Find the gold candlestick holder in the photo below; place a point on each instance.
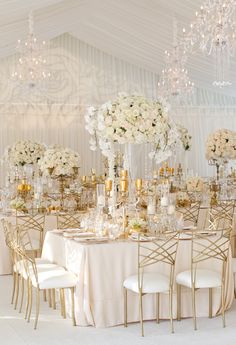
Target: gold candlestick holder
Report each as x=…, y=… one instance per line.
x=214, y=188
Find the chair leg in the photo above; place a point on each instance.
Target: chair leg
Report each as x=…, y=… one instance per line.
x=194, y=309
x=210, y=303
x=30, y=301
x=158, y=307
x=234, y=287
x=14, y=287
x=54, y=299
x=50, y=298
x=17, y=290
x=171, y=309
x=72, y=291
x=37, y=307
x=223, y=304
x=22, y=293
x=62, y=301
x=125, y=307
x=28, y=298
x=178, y=302
x=141, y=312
x=45, y=295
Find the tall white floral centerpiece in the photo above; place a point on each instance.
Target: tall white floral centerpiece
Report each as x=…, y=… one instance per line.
x=221, y=147
x=132, y=119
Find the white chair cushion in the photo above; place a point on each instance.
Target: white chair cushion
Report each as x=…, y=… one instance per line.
x=42, y=265
x=152, y=283
x=204, y=279
x=54, y=279
x=19, y=265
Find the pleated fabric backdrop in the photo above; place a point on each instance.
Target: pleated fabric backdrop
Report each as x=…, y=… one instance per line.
x=87, y=76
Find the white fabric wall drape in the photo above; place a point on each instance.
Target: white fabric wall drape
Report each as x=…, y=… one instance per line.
x=87, y=76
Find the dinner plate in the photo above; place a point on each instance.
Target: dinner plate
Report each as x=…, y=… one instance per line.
x=142, y=238
x=90, y=240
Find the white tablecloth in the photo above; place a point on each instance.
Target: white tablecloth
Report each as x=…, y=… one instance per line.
x=101, y=270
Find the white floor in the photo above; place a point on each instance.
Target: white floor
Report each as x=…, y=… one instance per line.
x=53, y=330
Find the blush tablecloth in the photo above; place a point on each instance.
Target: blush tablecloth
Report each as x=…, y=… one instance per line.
x=101, y=270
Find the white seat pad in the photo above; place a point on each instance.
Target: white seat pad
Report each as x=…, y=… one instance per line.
x=54, y=279
x=204, y=278
x=152, y=283
x=42, y=265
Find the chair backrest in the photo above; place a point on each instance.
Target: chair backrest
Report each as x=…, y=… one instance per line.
x=9, y=230
x=34, y=225
x=190, y=213
x=221, y=215
x=69, y=220
x=26, y=261
x=160, y=250
x=213, y=247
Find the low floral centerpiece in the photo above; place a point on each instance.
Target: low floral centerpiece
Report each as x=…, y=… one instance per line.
x=195, y=184
x=24, y=152
x=59, y=161
x=137, y=225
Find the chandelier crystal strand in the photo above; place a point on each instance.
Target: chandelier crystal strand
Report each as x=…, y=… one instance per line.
x=214, y=32
x=31, y=68
x=174, y=81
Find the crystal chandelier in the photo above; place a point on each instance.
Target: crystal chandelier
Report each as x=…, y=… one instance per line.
x=31, y=67
x=214, y=30
x=174, y=80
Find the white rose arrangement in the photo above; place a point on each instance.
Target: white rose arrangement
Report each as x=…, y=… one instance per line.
x=184, y=137
x=24, y=152
x=60, y=161
x=221, y=146
x=132, y=119
x=195, y=184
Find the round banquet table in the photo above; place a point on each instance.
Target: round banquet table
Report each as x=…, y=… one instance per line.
x=102, y=268
x=50, y=224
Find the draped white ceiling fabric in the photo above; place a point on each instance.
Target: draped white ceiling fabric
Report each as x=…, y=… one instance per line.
x=137, y=31
x=88, y=76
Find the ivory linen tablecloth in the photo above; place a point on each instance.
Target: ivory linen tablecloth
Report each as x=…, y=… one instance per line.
x=101, y=270
x=5, y=260
x=50, y=224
